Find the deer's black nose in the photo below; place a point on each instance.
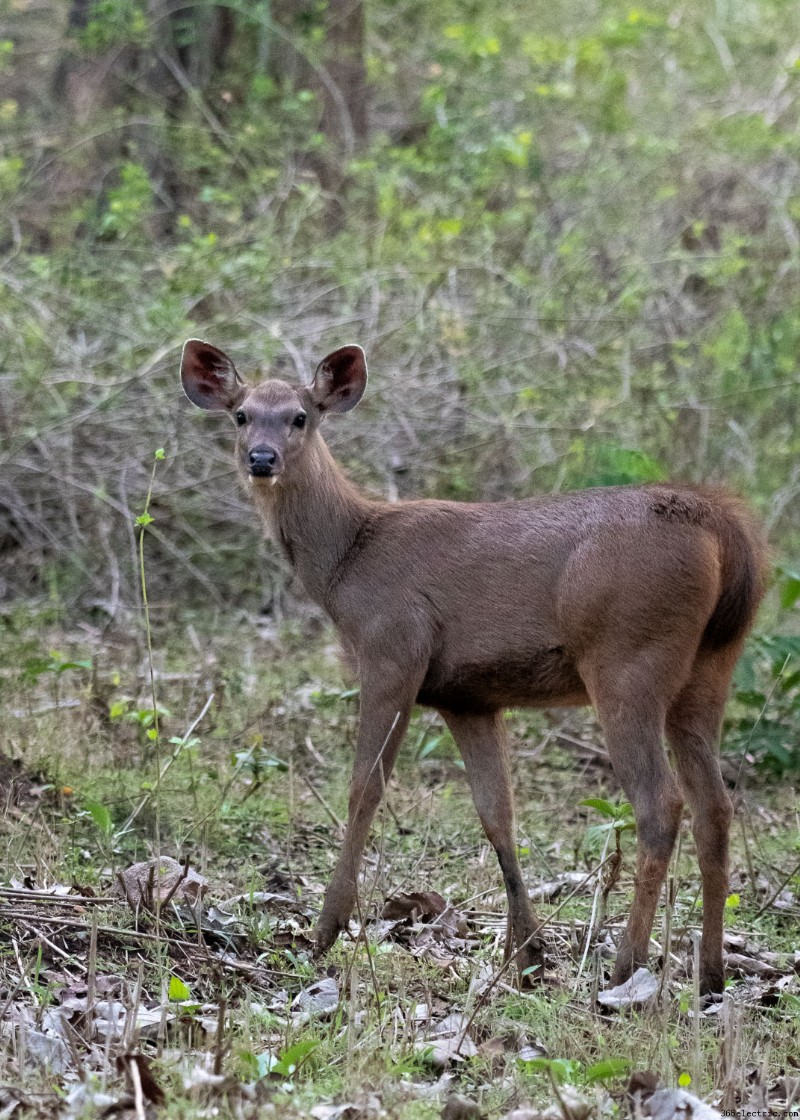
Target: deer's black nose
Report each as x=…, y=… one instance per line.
x=262, y=461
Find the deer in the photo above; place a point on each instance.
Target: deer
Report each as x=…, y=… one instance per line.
x=634, y=599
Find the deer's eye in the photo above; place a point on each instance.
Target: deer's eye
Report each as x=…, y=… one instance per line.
x=241, y=418
x=300, y=420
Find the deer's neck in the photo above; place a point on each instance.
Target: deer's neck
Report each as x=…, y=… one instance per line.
x=315, y=515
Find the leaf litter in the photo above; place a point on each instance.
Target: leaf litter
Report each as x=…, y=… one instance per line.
x=94, y=1015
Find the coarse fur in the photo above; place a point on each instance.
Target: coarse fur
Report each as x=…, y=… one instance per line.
x=636, y=599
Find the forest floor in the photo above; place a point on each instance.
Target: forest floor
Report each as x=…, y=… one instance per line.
x=198, y=994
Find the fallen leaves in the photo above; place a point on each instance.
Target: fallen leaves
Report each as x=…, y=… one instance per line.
x=316, y=1001
x=177, y=908
x=447, y=1042
x=426, y=925
x=154, y=883
x=635, y=992
x=417, y=906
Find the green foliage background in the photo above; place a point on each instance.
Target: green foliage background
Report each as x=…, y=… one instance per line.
x=570, y=248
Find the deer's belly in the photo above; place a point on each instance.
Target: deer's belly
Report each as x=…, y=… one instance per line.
x=543, y=678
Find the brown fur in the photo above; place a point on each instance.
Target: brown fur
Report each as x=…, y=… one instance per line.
x=634, y=599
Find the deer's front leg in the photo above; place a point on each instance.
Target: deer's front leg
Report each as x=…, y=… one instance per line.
x=387, y=697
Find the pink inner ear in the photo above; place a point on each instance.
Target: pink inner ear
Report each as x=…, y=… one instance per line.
x=340, y=379
x=209, y=376
x=209, y=382
x=206, y=363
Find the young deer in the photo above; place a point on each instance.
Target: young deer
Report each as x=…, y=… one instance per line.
x=635, y=599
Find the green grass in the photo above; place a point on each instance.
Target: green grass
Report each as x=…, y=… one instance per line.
x=253, y=804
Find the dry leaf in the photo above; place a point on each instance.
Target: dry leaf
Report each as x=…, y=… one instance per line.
x=446, y=1042
x=677, y=1104
x=635, y=992
x=741, y=965
x=320, y=998
x=154, y=880
x=415, y=907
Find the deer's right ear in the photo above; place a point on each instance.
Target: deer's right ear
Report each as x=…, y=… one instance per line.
x=209, y=377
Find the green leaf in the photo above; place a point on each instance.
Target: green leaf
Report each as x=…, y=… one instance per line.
x=62, y=666
x=289, y=1061
x=144, y=519
x=100, y=815
x=430, y=746
x=561, y=1069
x=621, y=812
x=627, y=824
x=160, y=453
x=733, y=902
x=601, y=805
x=607, y=1070
x=790, y=589
x=685, y=1080
x=595, y=836
x=178, y=991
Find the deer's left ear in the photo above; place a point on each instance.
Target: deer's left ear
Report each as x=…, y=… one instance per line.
x=209, y=377
x=340, y=380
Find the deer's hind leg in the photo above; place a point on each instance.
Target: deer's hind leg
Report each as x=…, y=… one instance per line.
x=693, y=726
x=629, y=704
x=483, y=743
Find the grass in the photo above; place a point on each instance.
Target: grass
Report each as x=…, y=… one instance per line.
x=253, y=797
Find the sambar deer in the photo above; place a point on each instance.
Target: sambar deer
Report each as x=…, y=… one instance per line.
x=635, y=599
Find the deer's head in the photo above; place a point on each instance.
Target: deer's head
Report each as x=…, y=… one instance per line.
x=275, y=420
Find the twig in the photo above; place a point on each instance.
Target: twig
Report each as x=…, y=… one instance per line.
x=773, y=897
x=91, y=974
x=44, y=896
x=181, y=878
x=141, y=935
x=336, y=820
x=128, y=897
x=312, y=750
x=150, y=793
x=23, y=975
x=542, y=925
x=592, y=916
x=219, y=1042
x=136, y=1081
x=50, y=944
x=129, y=1029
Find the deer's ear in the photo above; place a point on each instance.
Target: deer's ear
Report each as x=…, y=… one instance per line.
x=340, y=380
x=209, y=377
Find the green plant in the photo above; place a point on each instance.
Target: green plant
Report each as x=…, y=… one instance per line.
x=767, y=683
x=620, y=819
x=142, y=521
x=561, y=1070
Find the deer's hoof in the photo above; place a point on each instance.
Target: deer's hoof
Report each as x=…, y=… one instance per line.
x=325, y=935
x=712, y=981
x=531, y=968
